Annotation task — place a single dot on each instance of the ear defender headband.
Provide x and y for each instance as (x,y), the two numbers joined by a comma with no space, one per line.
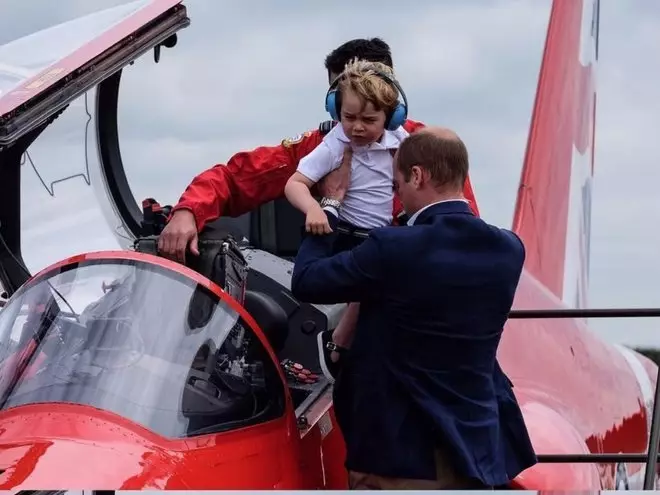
(393,120)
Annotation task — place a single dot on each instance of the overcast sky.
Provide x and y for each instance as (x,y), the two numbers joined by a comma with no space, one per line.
(247,73)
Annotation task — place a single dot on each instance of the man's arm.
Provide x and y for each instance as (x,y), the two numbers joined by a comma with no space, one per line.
(350,276)
(249,180)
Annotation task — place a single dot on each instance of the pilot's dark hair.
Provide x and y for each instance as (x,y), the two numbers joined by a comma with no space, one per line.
(372,50)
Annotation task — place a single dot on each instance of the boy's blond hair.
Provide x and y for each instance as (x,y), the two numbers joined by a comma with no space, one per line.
(361,77)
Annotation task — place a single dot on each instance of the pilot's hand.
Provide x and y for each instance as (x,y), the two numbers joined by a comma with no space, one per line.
(179,232)
(335,184)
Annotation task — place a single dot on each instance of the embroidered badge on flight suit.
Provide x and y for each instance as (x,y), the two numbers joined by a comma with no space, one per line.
(288,142)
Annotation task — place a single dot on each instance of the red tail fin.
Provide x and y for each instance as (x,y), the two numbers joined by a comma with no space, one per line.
(553,207)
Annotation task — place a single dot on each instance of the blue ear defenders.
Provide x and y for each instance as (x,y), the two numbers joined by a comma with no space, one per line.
(392,121)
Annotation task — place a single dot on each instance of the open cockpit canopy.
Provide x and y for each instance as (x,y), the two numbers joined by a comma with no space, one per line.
(44,71)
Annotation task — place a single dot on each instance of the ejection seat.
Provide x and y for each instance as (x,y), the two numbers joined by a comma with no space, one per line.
(275,227)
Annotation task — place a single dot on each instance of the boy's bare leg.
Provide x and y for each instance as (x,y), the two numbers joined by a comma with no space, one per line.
(341,337)
(343,334)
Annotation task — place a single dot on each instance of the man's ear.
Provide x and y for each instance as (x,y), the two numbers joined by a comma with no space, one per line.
(417,176)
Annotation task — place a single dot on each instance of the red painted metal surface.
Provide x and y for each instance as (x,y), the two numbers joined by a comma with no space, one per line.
(562,120)
(578,394)
(76,447)
(119,454)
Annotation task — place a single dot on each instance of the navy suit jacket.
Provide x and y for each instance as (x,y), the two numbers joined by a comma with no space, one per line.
(422,369)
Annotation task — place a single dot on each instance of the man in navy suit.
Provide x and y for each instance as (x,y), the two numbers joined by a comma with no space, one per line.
(420,397)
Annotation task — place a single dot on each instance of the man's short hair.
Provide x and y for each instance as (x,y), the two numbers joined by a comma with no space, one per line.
(373,50)
(445,158)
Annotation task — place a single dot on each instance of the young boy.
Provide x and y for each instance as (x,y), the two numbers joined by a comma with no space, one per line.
(364,98)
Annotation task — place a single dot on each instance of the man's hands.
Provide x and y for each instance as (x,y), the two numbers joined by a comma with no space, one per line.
(335,184)
(180,231)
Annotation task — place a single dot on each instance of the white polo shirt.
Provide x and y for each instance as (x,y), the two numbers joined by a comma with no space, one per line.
(368,200)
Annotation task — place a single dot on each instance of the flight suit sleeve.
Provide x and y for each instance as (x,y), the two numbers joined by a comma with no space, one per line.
(248,180)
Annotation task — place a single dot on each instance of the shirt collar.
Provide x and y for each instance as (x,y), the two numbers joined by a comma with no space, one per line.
(389,141)
(413,217)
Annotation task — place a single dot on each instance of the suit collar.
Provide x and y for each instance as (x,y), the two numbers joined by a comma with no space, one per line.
(444,207)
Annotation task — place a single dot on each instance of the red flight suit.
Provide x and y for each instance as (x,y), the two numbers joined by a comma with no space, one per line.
(253,178)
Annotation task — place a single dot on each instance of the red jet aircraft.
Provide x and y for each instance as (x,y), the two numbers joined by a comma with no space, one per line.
(122,370)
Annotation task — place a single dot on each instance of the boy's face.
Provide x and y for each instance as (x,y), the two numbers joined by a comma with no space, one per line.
(361,125)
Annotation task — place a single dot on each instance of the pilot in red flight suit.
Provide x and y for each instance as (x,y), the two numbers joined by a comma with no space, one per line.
(253,178)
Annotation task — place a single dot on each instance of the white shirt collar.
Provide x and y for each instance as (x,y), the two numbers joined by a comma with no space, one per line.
(390,140)
(413,217)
